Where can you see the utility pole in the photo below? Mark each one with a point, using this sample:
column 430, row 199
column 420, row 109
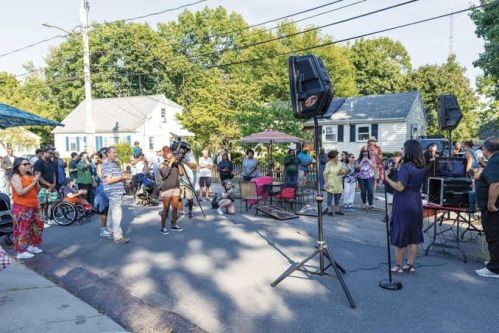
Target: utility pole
column 451, row 34
column 89, row 120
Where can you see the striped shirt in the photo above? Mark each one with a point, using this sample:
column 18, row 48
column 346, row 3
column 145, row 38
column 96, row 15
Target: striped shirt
column 115, row 190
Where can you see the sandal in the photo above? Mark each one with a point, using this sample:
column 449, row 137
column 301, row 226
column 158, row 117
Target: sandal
column 409, row 268
column 397, row 269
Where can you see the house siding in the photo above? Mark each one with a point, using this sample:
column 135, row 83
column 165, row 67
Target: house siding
column 416, row 121
column 392, row 136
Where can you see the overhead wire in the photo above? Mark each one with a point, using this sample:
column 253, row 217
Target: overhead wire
column 242, row 47
column 354, row 37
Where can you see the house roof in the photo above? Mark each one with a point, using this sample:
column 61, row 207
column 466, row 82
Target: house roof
column 128, row 112
column 388, row 106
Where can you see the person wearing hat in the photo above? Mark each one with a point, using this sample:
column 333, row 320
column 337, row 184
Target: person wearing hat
column 45, row 169
column 375, row 151
column 28, row 226
column 227, row 201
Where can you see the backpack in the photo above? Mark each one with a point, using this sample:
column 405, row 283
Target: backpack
column 215, row 200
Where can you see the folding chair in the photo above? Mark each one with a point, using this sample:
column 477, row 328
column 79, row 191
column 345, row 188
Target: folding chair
column 249, row 194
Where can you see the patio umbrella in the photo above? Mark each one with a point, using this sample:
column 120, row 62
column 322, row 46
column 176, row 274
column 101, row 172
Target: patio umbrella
column 270, row 137
column 13, row 117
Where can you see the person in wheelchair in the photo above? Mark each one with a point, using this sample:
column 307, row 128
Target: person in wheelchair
column 73, row 195
column 145, row 183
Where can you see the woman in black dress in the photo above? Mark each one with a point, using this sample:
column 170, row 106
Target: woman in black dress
column 407, row 211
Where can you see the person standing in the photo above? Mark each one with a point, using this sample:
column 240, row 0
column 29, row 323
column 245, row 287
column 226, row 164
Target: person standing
column 205, row 167
column 250, row 166
column 186, row 184
column 44, row 168
column 60, row 170
column 170, row 190
column 457, row 150
column 291, row 169
column 7, row 167
column 113, row 184
column 349, row 182
column 366, row 164
column 487, row 193
column 73, row 165
column 407, row 211
column 28, row 226
column 101, row 202
column 225, row 168
column 333, row 175
column 38, row 155
column 84, row 178
column 375, row 151
column 322, row 166
column 304, row 160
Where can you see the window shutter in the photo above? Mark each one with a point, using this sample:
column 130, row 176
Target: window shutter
column 340, row 133
column 67, row 143
column 78, row 144
column 97, row 143
column 352, row 133
column 129, row 139
column 374, row 130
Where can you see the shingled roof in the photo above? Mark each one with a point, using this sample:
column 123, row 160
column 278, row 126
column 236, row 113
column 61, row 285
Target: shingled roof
column 388, row 106
column 128, row 112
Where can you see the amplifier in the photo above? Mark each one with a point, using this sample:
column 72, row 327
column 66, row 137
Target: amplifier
column 451, row 192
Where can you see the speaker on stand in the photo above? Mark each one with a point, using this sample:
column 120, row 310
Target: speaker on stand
column 449, row 115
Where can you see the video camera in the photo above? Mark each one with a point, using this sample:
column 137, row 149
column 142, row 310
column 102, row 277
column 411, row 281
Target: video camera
column 179, row 148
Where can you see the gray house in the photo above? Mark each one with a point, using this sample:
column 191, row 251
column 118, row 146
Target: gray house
column 391, row 118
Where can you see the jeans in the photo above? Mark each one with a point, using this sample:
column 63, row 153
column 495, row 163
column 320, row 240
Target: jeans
column 114, row 217
column 290, row 179
column 367, row 190
column 329, row 199
column 348, row 193
column 490, row 223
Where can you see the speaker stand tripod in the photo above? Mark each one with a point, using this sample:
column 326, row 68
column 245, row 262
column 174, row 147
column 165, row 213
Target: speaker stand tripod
column 321, row 247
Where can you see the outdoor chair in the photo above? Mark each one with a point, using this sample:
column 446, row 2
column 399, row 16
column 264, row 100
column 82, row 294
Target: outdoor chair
column 287, row 198
column 249, row 194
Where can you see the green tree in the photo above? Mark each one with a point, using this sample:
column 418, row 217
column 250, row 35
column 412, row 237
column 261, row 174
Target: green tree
column 448, row 78
column 487, row 27
column 488, row 117
column 381, row 65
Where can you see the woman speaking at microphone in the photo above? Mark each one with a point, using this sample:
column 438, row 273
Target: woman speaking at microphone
column 407, row 211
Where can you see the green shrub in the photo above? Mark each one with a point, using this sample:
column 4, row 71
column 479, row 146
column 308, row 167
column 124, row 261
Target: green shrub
column 124, row 152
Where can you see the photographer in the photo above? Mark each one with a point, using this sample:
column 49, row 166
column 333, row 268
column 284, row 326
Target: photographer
column 407, row 211
column 188, row 166
column 170, row 172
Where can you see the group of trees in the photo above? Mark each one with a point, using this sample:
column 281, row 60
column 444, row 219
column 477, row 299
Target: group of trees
column 185, row 60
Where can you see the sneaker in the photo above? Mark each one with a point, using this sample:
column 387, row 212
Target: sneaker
column 220, row 211
column 330, row 214
column 485, row 272
column 105, row 233
column 25, row 255
column 486, row 262
column 340, row 213
column 180, row 216
column 34, row 249
column 371, row 207
column 177, row 228
column 51, row 222
column 46, row 225
column 164, row 231
column 122, row 240
column 190, row 215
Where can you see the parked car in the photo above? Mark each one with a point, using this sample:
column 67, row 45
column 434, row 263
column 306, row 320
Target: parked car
column 443, row 145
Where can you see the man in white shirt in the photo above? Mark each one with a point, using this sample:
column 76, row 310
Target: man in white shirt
column 205, row 167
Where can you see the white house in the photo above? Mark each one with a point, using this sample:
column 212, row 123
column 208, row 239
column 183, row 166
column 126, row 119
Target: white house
column 391, row 118
column 150, row 120
column 22, row 141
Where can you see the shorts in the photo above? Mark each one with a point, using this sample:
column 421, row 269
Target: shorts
column 389, row 198
column 376, row 173
column 204, row 181
column 185, row 193
column 173, row 192
column 46, row 197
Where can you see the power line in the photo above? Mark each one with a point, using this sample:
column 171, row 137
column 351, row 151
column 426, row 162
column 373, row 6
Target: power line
column 31, row 45
column 305, row 18
column 273, row 20
column 242, row 47
column 124, row 20
column 354, row 37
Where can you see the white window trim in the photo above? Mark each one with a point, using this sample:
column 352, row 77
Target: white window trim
column 163, row 118
column 357, row 132
column 334, row 132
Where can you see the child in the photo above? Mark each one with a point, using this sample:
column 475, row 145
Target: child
column 73, row 195
column 349, row 182
column 137, row 151
column 333, row 182
column 227, row 200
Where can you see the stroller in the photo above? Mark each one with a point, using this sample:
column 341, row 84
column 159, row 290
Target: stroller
column 6, row 219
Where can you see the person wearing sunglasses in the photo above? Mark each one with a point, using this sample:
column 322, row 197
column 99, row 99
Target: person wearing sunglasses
column 28, row 225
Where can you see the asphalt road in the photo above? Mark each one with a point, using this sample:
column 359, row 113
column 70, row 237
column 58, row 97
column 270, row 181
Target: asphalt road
column 217, row 274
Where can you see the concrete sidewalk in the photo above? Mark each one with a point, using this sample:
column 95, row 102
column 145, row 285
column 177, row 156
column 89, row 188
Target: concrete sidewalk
column 31, row 303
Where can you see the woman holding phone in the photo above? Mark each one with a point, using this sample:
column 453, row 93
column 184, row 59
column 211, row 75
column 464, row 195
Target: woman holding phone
column 366, row 164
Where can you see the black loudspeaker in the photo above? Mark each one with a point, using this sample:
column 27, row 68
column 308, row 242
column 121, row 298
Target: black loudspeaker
column 449, row 112
column 311, row 88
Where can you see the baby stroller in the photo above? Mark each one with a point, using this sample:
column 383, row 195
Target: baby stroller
column 144, row 196
column 6, row 219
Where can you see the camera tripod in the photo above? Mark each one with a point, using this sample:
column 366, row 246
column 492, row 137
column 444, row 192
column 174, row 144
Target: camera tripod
column 321, row 246
column 191, row 187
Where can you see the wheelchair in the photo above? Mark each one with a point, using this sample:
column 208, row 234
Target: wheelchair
column 65, row 213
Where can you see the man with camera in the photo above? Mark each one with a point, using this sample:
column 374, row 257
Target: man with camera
column 487, row 194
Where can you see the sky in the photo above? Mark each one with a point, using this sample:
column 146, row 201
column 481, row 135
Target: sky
column 427, row 43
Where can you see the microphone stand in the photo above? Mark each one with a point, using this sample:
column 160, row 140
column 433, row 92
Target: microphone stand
column 389, row 284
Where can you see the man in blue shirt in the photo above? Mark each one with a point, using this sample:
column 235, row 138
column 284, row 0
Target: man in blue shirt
column 304, row 160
